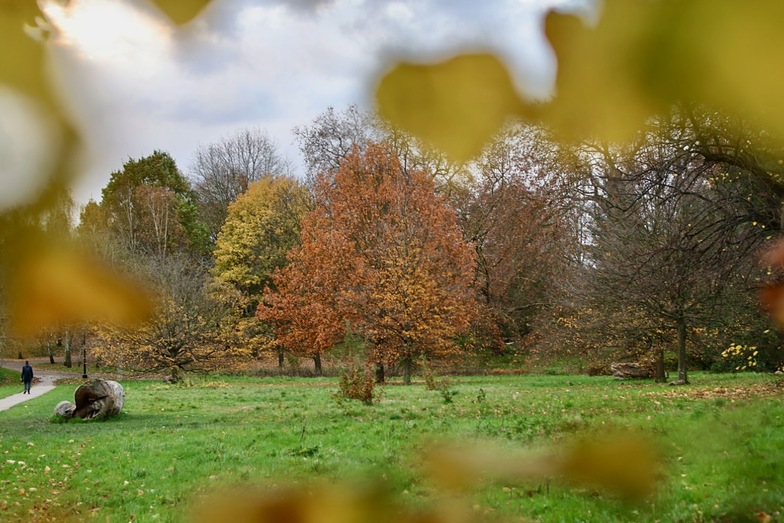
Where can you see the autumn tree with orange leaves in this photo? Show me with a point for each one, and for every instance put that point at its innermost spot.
(381, 255)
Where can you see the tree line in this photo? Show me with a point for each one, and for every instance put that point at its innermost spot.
(585, 250)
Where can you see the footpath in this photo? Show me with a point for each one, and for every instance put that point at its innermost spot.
(39, 388)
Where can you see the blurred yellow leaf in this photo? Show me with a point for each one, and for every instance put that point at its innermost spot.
(645, 56)
(624, 465)
(458, 467)
(639, 59)
(52, 286)
(181, 11)
(22, 68)
(340, 503)
(456, 105)
(599, 88)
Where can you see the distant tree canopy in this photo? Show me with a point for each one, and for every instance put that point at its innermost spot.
(510, 203)
(333, 135)
(644, 249)
(516, 214)
(150, 207)
(223, 170)
(673, 225)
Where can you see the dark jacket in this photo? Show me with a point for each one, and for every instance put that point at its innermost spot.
(27, 373)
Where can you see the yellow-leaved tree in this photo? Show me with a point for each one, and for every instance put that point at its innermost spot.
(261, 226)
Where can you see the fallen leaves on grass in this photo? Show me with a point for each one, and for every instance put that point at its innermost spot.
(746, 392)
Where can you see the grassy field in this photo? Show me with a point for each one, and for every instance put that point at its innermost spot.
(9, 382)
(721, 439)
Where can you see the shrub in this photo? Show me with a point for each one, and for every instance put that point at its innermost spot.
(357, 382)
(447, 392)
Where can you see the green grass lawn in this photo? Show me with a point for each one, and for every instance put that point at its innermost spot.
(9, 382)
(721, 446)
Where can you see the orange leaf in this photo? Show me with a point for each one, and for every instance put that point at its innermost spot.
(623, 465)
(772, 300)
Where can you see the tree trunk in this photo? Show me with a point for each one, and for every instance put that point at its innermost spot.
(407, 370)
(660, 374)
(49, 350)
(317, 363)
(67, 361)
(281, 357)
(381, 377)
(682, 377)
(84, 354)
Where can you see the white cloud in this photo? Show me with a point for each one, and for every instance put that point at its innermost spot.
(114, 33)
(136, 83)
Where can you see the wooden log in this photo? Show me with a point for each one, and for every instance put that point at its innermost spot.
(95, 399)
(631, 370)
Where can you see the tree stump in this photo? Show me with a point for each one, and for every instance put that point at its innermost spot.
(95, 399)
(632, 370)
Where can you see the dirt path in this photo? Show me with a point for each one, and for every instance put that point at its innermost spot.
(39, 388)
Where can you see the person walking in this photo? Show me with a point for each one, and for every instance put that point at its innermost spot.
(27, 377)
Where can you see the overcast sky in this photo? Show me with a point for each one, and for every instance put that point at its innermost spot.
(135, 83)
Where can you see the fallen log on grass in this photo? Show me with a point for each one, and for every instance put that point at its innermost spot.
(632, 370)
(94, 399)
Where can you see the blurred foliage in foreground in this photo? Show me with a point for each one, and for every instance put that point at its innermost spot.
(639, 60)
(625, 467)
(50, 286)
